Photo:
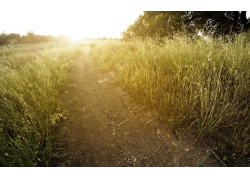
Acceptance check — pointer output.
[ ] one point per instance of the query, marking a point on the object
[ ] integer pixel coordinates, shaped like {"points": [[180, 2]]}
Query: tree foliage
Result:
{"points": [[31, 37], [155, 23], [167, 23]]}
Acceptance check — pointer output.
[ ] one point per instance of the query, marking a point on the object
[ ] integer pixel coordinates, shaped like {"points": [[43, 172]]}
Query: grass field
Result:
{"points": [[31, 80], [196, 84]]}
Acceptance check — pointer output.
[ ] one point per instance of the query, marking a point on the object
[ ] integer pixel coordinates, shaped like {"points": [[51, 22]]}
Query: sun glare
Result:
{"points": [[76, 38], [71, 19]]}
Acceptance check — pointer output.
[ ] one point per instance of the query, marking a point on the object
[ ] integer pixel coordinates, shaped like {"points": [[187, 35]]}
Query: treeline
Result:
{"points": [[167, 23], [12, 38]]}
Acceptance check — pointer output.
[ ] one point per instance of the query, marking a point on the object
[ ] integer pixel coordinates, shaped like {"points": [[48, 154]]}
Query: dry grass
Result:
{"points": [[31, 80], [192, 83]]}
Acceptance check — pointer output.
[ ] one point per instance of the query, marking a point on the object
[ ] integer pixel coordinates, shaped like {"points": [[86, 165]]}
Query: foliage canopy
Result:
{"points": [[167, 23]]}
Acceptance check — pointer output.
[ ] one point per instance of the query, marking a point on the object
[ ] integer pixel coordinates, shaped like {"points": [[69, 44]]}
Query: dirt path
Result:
{"points": [[105, 127]]}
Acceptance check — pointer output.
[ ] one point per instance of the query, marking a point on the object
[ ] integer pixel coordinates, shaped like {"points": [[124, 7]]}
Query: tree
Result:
{"points": [[9, 38], [244, 21], [167, 23], [30, 33], [3, 37], [155, 23], [216, 23]]}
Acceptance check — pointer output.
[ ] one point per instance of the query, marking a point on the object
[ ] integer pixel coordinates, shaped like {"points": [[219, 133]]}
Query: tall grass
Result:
{"points": [[203, 85], [31, 80]]}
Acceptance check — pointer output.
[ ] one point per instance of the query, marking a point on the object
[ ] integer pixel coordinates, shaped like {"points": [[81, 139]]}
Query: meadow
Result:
{"points": [[199, 85], [195, 85], [32, 77]]}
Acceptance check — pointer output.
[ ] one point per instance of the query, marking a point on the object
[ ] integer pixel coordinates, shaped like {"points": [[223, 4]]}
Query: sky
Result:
{"points": [[84, 18], [74, 18]]}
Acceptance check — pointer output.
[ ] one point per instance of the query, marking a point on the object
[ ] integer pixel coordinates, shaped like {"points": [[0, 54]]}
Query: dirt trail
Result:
{"points": [[105, 127]]}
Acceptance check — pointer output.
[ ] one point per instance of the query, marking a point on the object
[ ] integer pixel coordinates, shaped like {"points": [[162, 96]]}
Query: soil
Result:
{"points": [[105, 127]]}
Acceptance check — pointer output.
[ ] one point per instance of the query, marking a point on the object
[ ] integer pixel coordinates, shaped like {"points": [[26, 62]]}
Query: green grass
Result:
{"points": [[203, 86], [32, 77]]}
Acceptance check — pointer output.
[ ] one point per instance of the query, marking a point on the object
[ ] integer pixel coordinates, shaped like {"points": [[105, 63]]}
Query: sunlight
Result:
{"points": [[76, 37], [72, 19]]}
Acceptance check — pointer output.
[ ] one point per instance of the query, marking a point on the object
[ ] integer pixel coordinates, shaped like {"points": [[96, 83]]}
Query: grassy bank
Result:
{"points": [[195, 84], [31, 80]]}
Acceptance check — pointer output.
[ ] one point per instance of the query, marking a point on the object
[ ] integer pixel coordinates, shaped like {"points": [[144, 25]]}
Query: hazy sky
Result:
{"points": [[84, 18], [75, 18]]}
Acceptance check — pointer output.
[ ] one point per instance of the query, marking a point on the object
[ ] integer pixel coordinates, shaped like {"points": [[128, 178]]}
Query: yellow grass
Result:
{"points": [[200, 85]]}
